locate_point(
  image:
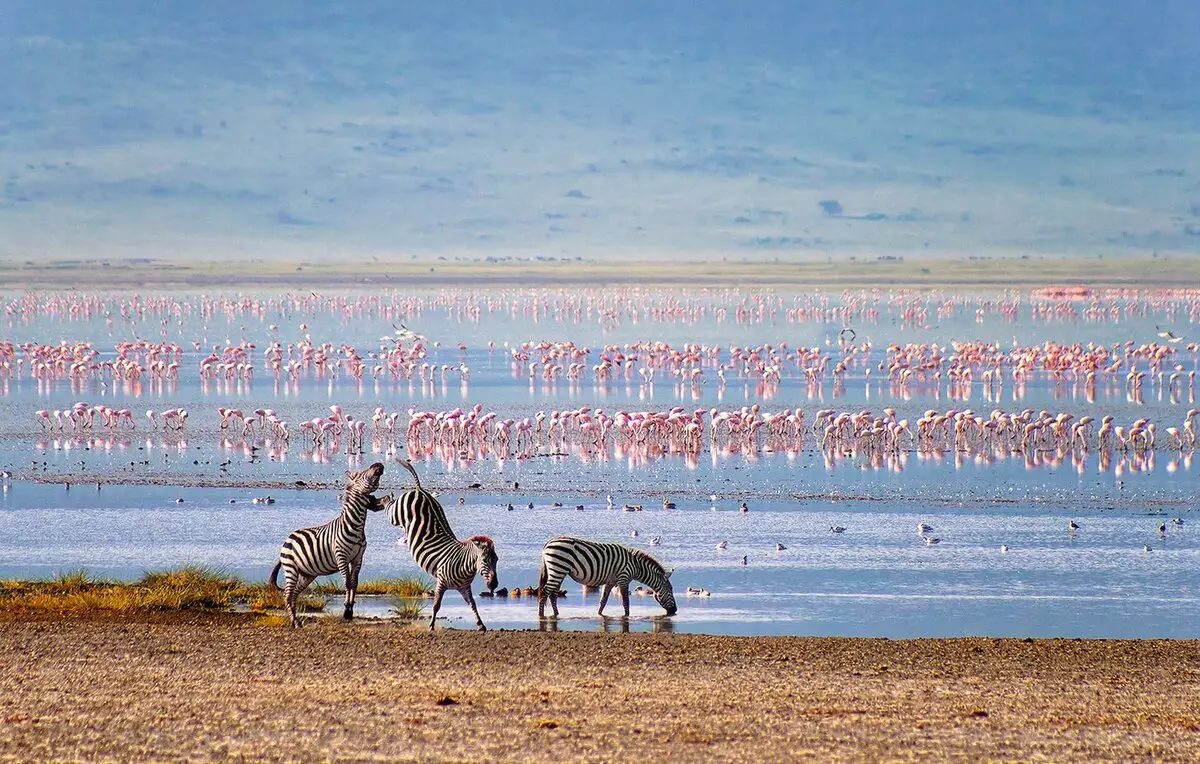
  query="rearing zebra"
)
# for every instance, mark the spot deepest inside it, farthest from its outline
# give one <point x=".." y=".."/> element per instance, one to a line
<point x="594" y="563"/>
<point x="452" y="563"/>
<point x="335" y="547"/>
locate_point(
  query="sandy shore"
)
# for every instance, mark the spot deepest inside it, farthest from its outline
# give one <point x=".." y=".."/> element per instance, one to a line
<point x="217" y="687"/>
<point x="684" y="270"/>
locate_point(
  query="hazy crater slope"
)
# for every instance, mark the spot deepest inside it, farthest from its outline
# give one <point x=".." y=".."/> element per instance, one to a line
<point x="623" y="129"/>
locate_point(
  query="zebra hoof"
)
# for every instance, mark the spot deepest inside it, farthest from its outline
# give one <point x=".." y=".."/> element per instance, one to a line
<point x="348" y="614"/>
<point x="481" y="628"/>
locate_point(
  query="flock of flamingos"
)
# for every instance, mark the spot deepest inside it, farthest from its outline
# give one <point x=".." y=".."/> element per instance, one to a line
<point x="1164" y="365"/>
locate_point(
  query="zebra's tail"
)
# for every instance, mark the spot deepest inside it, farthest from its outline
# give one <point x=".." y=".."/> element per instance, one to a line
<point x="273" y="579"/>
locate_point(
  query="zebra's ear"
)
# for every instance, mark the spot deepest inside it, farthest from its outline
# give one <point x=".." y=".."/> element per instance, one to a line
<point x="669" y="572"/>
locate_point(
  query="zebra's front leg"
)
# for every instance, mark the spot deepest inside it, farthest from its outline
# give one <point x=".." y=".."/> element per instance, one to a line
<point x="470" y="598"/>
<point x="625" y="598"/>
<point x="351" y="581"/>
<point x="605" y="589"/>
<point x="346" y="568"/>
<point x="439" y="590"/>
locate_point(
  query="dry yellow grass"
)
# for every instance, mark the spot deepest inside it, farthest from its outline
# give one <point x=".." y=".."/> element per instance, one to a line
<point x="77" y="594"/>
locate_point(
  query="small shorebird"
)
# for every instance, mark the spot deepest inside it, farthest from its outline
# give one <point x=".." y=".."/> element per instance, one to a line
<point x="743" y="559"/>
<point x="836" y="529"/>
<point x="1147" y="548"/>
<point x="780" y="547"/>
<point x="1168" y="335"/>
<point x="931" y="540"/>
<point x="1074" y="526"/>
<point x="1003" y="548"/>
<point x="722" y="546"/>
<point x="922" y="528"/>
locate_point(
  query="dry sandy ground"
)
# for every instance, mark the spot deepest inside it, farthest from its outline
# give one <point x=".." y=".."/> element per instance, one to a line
<point x="218" y="687"/>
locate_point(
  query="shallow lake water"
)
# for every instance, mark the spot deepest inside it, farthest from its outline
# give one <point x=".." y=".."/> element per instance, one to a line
<point x="877" y="578"/>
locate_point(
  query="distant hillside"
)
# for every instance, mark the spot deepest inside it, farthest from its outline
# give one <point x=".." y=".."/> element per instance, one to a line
<point x="791" y="130"/>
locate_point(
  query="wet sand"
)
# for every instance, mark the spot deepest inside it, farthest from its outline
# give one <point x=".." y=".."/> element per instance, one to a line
<point x="220" y="686"/>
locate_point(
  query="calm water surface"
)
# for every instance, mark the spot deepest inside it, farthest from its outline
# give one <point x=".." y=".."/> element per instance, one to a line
<point x="877" y="579"/>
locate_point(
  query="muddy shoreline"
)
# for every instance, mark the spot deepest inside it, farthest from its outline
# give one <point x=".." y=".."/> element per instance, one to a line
<point x="205" y="687"/>
<point x="84" y="481"/>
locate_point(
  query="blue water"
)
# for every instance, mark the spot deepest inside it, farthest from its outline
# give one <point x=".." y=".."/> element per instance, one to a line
<point x="878" y="578"/>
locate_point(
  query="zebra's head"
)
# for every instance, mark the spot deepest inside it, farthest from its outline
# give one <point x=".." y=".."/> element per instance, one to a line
<point x="486" y="549"/>
<point x="658" y="579"/>
<point x="364" y="481"/>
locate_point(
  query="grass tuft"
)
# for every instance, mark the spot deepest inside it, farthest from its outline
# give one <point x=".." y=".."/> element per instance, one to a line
<point x="407" y="609"/>
<point x="395" y="587"/>
<point x="190" y="588"/>
<point x="184" y="589"/>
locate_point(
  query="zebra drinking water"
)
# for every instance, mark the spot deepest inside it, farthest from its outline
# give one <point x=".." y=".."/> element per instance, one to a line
<point x="335" y="547"/>
<point x="594" y="563"/>
<point x="452" y="563"/>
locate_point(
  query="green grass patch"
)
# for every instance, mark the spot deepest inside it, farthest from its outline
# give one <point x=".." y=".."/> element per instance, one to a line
<point x="395" y="587"/>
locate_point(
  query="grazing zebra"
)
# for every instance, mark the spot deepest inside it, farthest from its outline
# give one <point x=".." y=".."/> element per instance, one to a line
<point x="335" y="547"/>
<point x="594" y="563"/>
<point x="452" y="563"/>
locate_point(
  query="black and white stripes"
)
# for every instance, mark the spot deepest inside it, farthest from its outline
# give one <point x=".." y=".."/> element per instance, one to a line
<point x="335" y="547"/>
<point x="452" y="563"/>
<point x="594" y="563"/>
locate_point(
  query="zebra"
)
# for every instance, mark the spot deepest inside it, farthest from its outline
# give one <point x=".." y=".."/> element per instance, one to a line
<point x="335" y="547"/>
<point x="452" y="563"/>
<point x="595" y="563"/>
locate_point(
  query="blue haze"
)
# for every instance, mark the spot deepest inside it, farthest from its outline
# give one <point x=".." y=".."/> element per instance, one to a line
<point x="627" y="129"/>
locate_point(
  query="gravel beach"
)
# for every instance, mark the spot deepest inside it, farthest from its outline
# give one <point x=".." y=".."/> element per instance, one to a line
<point x="214" y="687"/>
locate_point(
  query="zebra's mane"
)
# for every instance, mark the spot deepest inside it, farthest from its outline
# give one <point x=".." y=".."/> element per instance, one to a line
<point x="650" y="562"/>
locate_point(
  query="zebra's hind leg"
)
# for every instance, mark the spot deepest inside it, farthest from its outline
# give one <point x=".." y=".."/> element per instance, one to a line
<point x="549" y="587"/>
<point x="470" y="598"/>
<point x="605" y="589"/>
<point x="625" y="598"/>
<point x="291" y="595"/>
<point x="439" y="589"/>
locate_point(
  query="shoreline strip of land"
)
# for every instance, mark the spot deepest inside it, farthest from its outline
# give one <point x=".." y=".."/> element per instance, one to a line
<point x="1177" y="272"/>
<point x="206" y="686"/>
